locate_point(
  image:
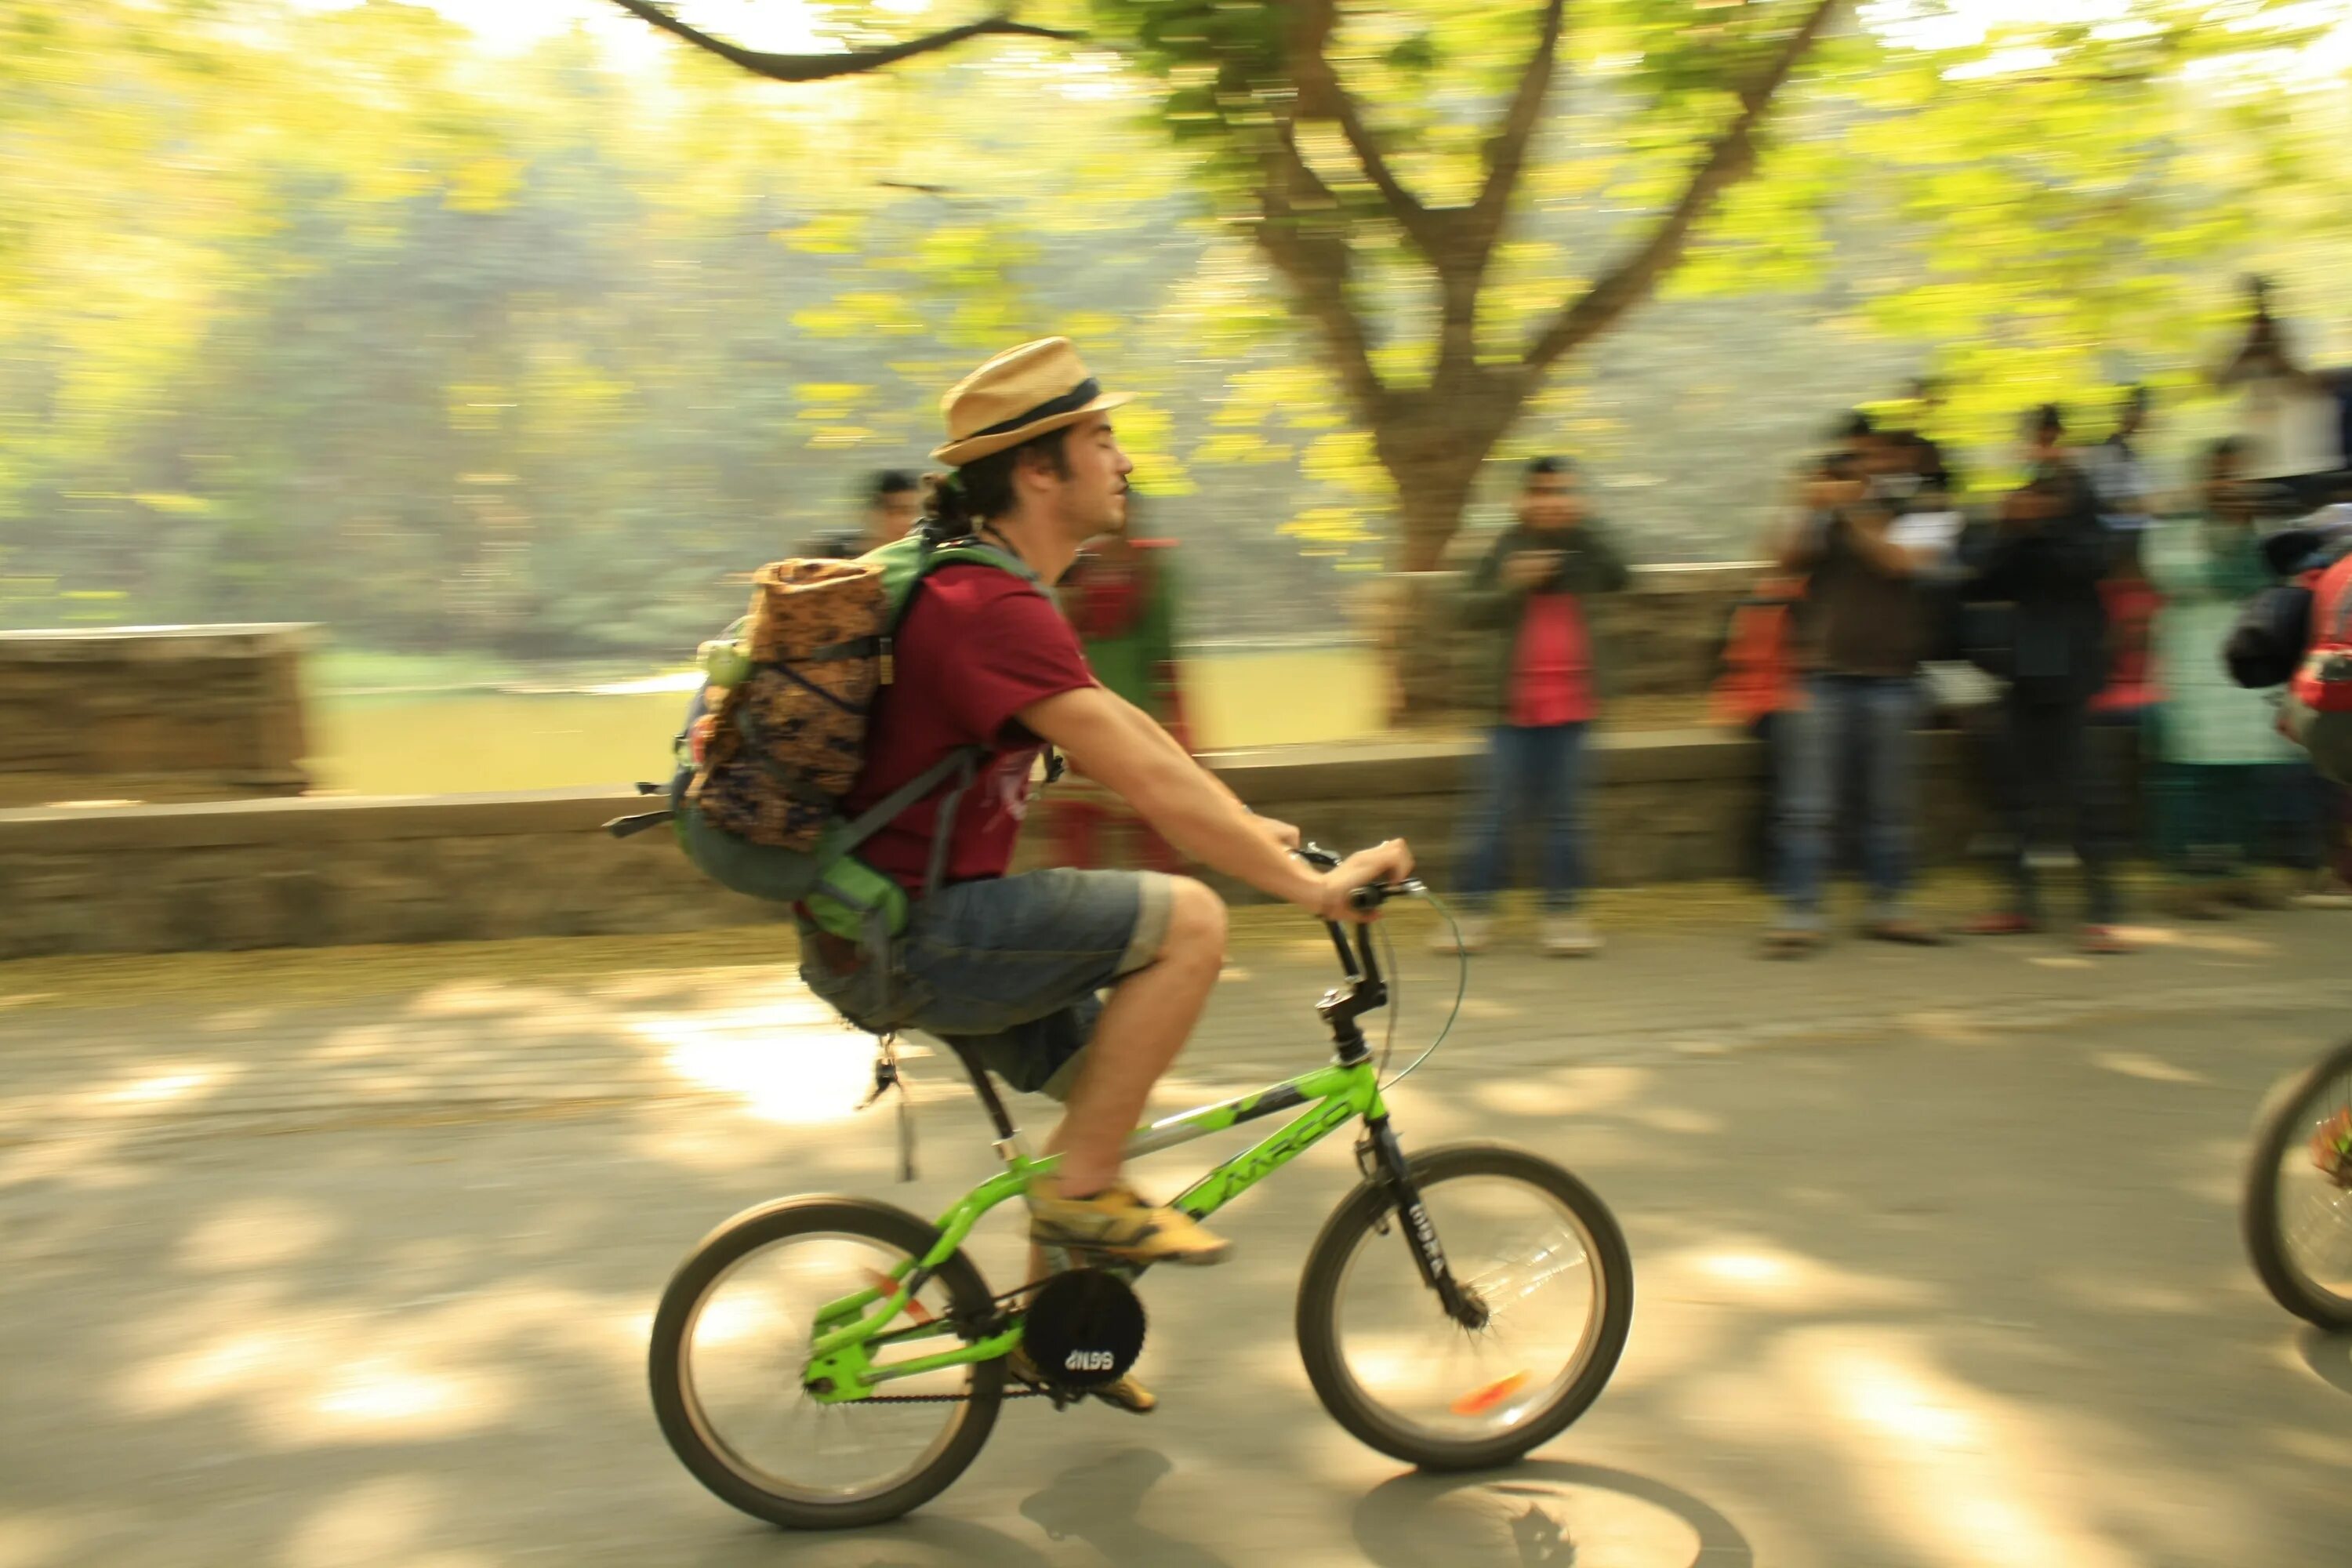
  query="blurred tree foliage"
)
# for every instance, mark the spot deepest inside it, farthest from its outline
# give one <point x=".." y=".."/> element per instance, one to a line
<point x="1393" y="160"/>
<point x="326" y="313"/>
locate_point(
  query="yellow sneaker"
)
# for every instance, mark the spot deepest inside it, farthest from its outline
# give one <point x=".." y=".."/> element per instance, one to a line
<point x="1127" y="1394"/>
<point x="1116" y="1224"/>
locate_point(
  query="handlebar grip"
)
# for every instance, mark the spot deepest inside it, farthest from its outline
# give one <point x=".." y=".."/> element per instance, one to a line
<point x="1366" y="899"/>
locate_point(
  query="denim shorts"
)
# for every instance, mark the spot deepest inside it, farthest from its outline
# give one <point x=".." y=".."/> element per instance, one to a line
<point x="1008" y="968"/>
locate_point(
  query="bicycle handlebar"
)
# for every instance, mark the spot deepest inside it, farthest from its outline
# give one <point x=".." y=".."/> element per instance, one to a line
<point x="1364" y="899"/>
<point x="1366" y="990"/>
<point x="1371" y="897"/>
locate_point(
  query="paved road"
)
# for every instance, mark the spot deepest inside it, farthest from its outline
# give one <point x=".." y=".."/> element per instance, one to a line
<point x="1935" y="1254"/>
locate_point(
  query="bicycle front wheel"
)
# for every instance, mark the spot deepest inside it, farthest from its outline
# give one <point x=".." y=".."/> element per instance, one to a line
<point x="1542" y="1256"/>
<point x="2297" y="1213"/>
<point x="731" y="1341"/>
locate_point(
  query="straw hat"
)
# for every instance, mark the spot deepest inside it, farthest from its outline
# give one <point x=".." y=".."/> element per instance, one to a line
<point x="1022" y="393"/>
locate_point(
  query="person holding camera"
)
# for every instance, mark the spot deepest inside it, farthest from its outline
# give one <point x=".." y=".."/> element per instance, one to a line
<point x="1861" y="633"/>
<point x="2045" y="558"/>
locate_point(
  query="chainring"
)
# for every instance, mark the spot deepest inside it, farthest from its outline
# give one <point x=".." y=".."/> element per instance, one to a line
<point x="1083" y="1330"/>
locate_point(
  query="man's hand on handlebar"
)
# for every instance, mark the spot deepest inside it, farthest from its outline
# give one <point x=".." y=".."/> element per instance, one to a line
<point x="1377" y="867"/>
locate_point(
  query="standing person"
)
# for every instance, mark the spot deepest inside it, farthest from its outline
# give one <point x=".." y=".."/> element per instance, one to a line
<point x="2217" y="743"/>
<point x="1863" y="630"/>
<point x="2291" y="419"/>
<point x="2118" y="474"/>
<point x="1530" y="671"/>
<point x="2045" y="558"/>
<point x="2130" y="597"/>
<point x="893" y="502"/>
<point x="1121" y="594"/>
<point x="1754" y="690"/>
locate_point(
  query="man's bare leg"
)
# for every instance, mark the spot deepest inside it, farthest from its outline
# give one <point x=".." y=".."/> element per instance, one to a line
<point x="1148" y="1017"/>
<point x="1143" y="1026"/>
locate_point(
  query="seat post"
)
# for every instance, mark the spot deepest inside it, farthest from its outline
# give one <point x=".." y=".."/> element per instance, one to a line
<point x="983" y="1085"/>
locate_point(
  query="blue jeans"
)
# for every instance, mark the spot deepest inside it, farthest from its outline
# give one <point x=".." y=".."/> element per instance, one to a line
<point x="1843" y="715"/>
<point x="1533" y="772"/>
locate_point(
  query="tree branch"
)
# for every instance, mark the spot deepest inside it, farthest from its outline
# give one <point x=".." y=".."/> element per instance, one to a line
<point x="1731" y="160"/>
<point x="1302" y="233"/>
<point x="1322" y="96"/>
<point x="1506" y="153"/>
<point x="852" y="62"/>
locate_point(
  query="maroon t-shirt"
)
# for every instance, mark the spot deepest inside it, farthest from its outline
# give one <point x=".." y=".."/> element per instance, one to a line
<point x="978" y="646"/>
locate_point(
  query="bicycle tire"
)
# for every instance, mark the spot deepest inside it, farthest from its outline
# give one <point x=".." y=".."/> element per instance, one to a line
<point x="2281" y="1122"/>
<point x="1327" y="1260"/>
<point x="761" y="1226"/>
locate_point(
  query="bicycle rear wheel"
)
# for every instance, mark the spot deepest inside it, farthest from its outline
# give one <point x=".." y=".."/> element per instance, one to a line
<point x="733" y="1338"/>
<point x="2297" y="1212"/>
<point x="1541" y="1252"/>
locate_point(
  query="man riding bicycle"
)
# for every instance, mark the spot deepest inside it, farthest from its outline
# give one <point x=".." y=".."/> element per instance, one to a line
<point x="1008" y="969"/>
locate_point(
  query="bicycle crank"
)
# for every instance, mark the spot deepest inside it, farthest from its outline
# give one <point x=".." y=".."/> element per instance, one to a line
<point x="1083" y="1330"/>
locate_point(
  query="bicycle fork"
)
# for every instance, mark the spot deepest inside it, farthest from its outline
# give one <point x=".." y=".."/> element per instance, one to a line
<point x="1382" y="1159"/>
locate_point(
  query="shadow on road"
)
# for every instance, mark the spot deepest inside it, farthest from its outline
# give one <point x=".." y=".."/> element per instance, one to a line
<point x="2327" y="1355"/>
<point x="1099" y="1502"/>
<point x="1545" y="1514"/>
<point x="918" y="1542"/>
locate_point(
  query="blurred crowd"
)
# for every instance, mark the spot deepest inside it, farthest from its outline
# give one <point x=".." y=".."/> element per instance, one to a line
<point x="2081" y="599"/>
<point x="2068" y="616"/>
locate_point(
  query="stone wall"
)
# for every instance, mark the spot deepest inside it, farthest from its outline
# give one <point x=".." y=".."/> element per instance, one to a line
<point x="193" y="713"/>
<point x="150" y="713"/>
<point x="324" y="871"/>
<point x="1664" y="630"/>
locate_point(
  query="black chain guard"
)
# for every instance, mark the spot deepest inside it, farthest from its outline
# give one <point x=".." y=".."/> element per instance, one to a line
<point x="1083" y="1329"/>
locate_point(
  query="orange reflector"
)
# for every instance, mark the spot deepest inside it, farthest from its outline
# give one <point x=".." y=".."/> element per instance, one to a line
<point x="889" y="1287"/>
<point x="1479" y="1400"/>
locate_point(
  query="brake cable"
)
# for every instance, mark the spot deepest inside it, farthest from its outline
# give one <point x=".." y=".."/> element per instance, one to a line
<point x="1396" y="1002"/>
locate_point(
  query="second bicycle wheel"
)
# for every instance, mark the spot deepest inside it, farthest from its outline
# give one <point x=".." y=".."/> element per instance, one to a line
<point x="1545" y="1259"/>
<point x="2297" y="1212"/>
<point x="731" y="1341"/>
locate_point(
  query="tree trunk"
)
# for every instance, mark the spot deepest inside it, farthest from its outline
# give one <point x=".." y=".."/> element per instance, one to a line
<point x="1433" y="450"/>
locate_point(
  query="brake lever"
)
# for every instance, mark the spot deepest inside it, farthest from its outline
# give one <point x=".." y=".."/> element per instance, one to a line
<point x="1367" y="899"/>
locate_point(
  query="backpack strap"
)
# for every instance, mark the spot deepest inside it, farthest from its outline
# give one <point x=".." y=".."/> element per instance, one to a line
<point x="882" y="812"/>
<point x="943" y="824"/>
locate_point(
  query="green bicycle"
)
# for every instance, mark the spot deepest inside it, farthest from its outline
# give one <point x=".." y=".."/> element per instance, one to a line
<point x="826" y="1362"/>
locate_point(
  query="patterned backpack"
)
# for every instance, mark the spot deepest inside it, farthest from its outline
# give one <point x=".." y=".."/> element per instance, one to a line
<point x="775" y="738"/>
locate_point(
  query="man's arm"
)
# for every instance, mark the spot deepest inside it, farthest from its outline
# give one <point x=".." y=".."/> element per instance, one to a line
<point x="1151" y="732"/>
<point x="1601" y="566"/>
<point x="1492" y="598"/>
<point x="1191" y="808"/>
<point x="1812" y="503"/>
<point x="1866" y="536"/>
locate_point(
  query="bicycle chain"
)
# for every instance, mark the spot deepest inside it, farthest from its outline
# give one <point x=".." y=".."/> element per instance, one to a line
<point x="940" y="1398"/>
<point x="1027" y="1390"/>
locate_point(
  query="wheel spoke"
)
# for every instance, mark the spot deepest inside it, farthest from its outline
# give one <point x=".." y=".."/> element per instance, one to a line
<point x="2300" y="1215"/>
<point x="1532" y="1258"/>
<point x="740" y="1362"/>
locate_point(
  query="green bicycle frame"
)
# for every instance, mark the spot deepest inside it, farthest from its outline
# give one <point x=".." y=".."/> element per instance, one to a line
<point x="841" y="1370"/>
